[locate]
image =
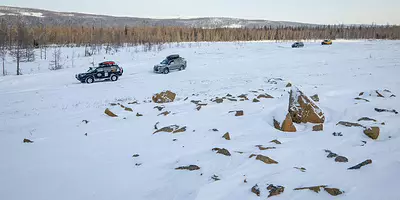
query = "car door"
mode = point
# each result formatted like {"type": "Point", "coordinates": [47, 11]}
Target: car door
{"type": "Point", "coordinates": [173, 64]}
{"type": "Point", "coordinates": [99, 73]}
{"type": "Point", "coordinates": [107, 72]}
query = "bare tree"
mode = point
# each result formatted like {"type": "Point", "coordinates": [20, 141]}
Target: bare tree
{"type": "Point", "coordinates": [55, 63]}
{"type": "Point", "coordinates": [3, 43]}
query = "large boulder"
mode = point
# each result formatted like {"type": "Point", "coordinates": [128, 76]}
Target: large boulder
{"type": "Point", "coordinates": [372, 132]}
{"type": "Point", "coordinates": [302, 109]}
{"type": "Point", "coordinates": [164, 97]}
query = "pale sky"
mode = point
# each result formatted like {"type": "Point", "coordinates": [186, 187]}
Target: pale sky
{"type": "Point", "coordinates": [308, 11]}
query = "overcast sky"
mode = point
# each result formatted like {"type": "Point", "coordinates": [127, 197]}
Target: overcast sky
{"type": "Point", "coordinates": [311, 11]}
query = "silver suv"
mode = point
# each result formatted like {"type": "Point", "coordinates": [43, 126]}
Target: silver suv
{"type": "Point", "coordinates": [172, 62]}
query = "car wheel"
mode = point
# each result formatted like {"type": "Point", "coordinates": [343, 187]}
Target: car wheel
{"type": "Point", "coordinates": [181, 68]}
{"type": "Point", "coordinates": [114, 77]}
{"type": "Point", "coordinates": [89, 80]}
{"type": "Point", "coordinates": [166, 71]}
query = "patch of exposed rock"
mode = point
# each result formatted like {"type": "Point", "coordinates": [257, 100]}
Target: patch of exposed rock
{"type": "Point", "coordinates": [171, 129]}
{"type": "Point", "coordinates": [315, 97]}
{"type": "Point", "coordinates": [318, 127]}
{"type": "Point", "coordinates": [222, 151]}
{"type": "Point", "coordinates": [276, 141]}
{"type": "Point", "coordinates": [227, 136]}
{"type": "Point", "coordinates": [358, 166]}
{"type": "Point", "coordinates": [265, 96]}
{"type": "Point", "coordinates": [275, 190]}
{"type": "Point", "coordinates": [372, 132]}
{"type": "Point", "coordinates": [349, 124]}
{"type": "Point", "coordinates": [256, 190]}
{"type": "Point", "coordinates": [264, 148]}
{"type": "Point", "coordinates": [109, 113]}
{"type": "Point", "coordinates": [27, 141]}
{"type": "Point", "coordinates": [264, 159]}
{"type": "Point", "coordinates": [302, 109]}
{"type": "Point", "coordinates": [164, 97]}
{"type": "Point", "coordinates": [189, 167]}
{"type": "Point", "coordinates": [287, 125]}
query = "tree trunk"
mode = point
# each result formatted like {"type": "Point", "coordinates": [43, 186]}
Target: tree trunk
{"type": "Point", "coordinates": [18, 57]}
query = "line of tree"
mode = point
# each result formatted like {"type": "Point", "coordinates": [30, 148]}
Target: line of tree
{"type": "Point", "coordinates": [19, 40]}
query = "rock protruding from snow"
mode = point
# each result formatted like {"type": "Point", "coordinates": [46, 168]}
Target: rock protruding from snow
{"type": "Point", "coordinates": [358, 166]}
{"type": "Point", "coordinates": [171, 129]}
{"type": "Point", "coordinates": [302, 109]}
{"type": "Point", "coordinates": [318, 127]}
{"type": "Point", "coordinates": [317, 189]}
{"type": "Point", "coordinates": [109, 113]}
{"type": "Point", "coordinates": [264, 159]}
{"type": "Point", "coordinates": [349, 124]}
{"type": "Point", "coordinates": [333, 191]}
{"type": "Point", "coordinates": [276, 141]}
{"type": "Point", "coordinates": [227, 136]}
{"type": "Point", "coordinates": [275, 190]}
{"type": "Point", "coordinates": [287, 125]}
{"type": "Point", "coordinates": [164, 97]}
{"type": "Point", "coordinates": [189, 167]}
{"type": "Point", "coordinates": [315, 97]}
{"type": "Point", "coordinates": [372, 132]}
{"type": "Point", "coordinates": [256, 190]}
{"type": "Point", "coordinates": [222, 151]}
{"type": "Point", "coordinates": [27, 141]}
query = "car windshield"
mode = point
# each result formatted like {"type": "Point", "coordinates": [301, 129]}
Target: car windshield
{"type": "Point", "coordinates": [91, 70]}
{"type": "Point", "coordinates": [164, 62]}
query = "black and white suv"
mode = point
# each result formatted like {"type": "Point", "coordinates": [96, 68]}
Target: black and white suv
{"type": "Point", "coordinates": [105, 71]}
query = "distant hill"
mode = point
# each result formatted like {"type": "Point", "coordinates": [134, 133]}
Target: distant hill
{"type": "Point", "coordinates": [37, 16]}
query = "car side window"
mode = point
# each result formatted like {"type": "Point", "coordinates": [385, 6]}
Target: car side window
{"type": "Point", "coordinates": [100, 69]}
{"type": "Point", "coordinates": [107, 69]}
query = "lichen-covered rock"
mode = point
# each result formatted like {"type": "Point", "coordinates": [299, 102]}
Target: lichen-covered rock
{"type": "Point", "coordinates": [264, 148]}
{"type": "Point", "coordinates": [164, 97]}
{"type": "Point", "coordinates": [276, 141]}
{"type": "Point", "coordinates": [27, 141]}
{"type": "Point", "coordinates": [302, 109]}
{"type": "Point", "coordinates": [287, 125]}
{"type": "Point", "coordinates": [171, 129]}
{"type": "Point", "coordinates": [189, 167]}
{"type": "Point", "coordinates": [372, 132]}
{"type": "Point", "coordinates": [264, 159]}
{"type": "Point", "coordinates": [341, 159]}
{"type": "Point", "coordinates": [222, 151]}
{"type": "Point", "coordinates": [256, 100]}
{"type": "Point", "coordinates": [316, 189]}
{"type": "Point", "coordinates": [358, 166]}
{"type": "Point", "coordinates": [165, 113]}
{"type": "Point", "coordinates": [227, 136]}
{"type": "Point", "coordinates": [277, 124]}
{"type": "Point", "coordinates": [265, 96]}
{"type": "Point", "coordinates": [275, 190]}
{"type": "Point", "coordinates": [366, 119]}
{"type": "Point", "coordinates": [333, 191]}
{"type": "Point", "coordinates": [315, 97]}
{"type": "Point", "coordinates": [128, 109]}
{"type": "Point", "coordinates": [256, 190]}
{"type": "Point", "coordinates": [318, 127]}
{"type": "Point", "coordinates": [109, 113]}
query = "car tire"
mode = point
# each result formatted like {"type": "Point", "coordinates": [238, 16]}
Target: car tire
{"type": "Point", "coordinates": [89, 80]}
{"type": "Point", "coordinates": [114, 77]}
{"type": "Point", "coordinates": [182, 68]}
{"type": "Point", "coordinates": [166, 71]}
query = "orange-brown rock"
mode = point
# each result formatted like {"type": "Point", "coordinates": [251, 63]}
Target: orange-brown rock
{"type": "Point", "coordinates": [164, 97]}
{"type": "Point", "coordinates": [302, 109]}
{"type": "Point", "coordinates": [318, 127]}
{"type": "Point", "coordinates": [109, 113]}
{"type": "Point", "coordinates": [372, 132]}
{"type": "Point", "coordinates": [287, 125]}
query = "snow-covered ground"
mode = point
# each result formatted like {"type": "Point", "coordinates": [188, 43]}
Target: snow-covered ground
{"type": "Point", "coordinates": [48, 107]}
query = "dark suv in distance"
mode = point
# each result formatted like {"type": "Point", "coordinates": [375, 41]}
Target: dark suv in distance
{"type": "Point", "coordinates": [105, 71]}
{"type": "Point", "coordinates": [171, 62]}
{"type": "Point", "coordinates": [298, 45]}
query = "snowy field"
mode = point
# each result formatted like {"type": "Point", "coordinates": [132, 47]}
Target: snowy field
{"type": "Point", "coordinates": [70, 159]}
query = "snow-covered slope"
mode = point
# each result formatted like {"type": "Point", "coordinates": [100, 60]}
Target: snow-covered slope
{"type": "Point", "coordinates": [74, 159]}
{"type": "Point", "coordinates": [39, 17]}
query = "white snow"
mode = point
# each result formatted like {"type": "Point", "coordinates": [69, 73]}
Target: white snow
{"type": "Point", "coordinates": [48, 107]}
{"type": "Point", "coordinates": [33, 14]}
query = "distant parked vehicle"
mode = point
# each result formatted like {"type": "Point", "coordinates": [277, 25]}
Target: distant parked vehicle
{"type": "Point", "coordinates": [172, 62]}
{"type": "Point", "coordinates": [105, 71]}
{"type": "Point", "coordinates": [326, 42]}
{"type": "Point", "coordinates": [298, 45]}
